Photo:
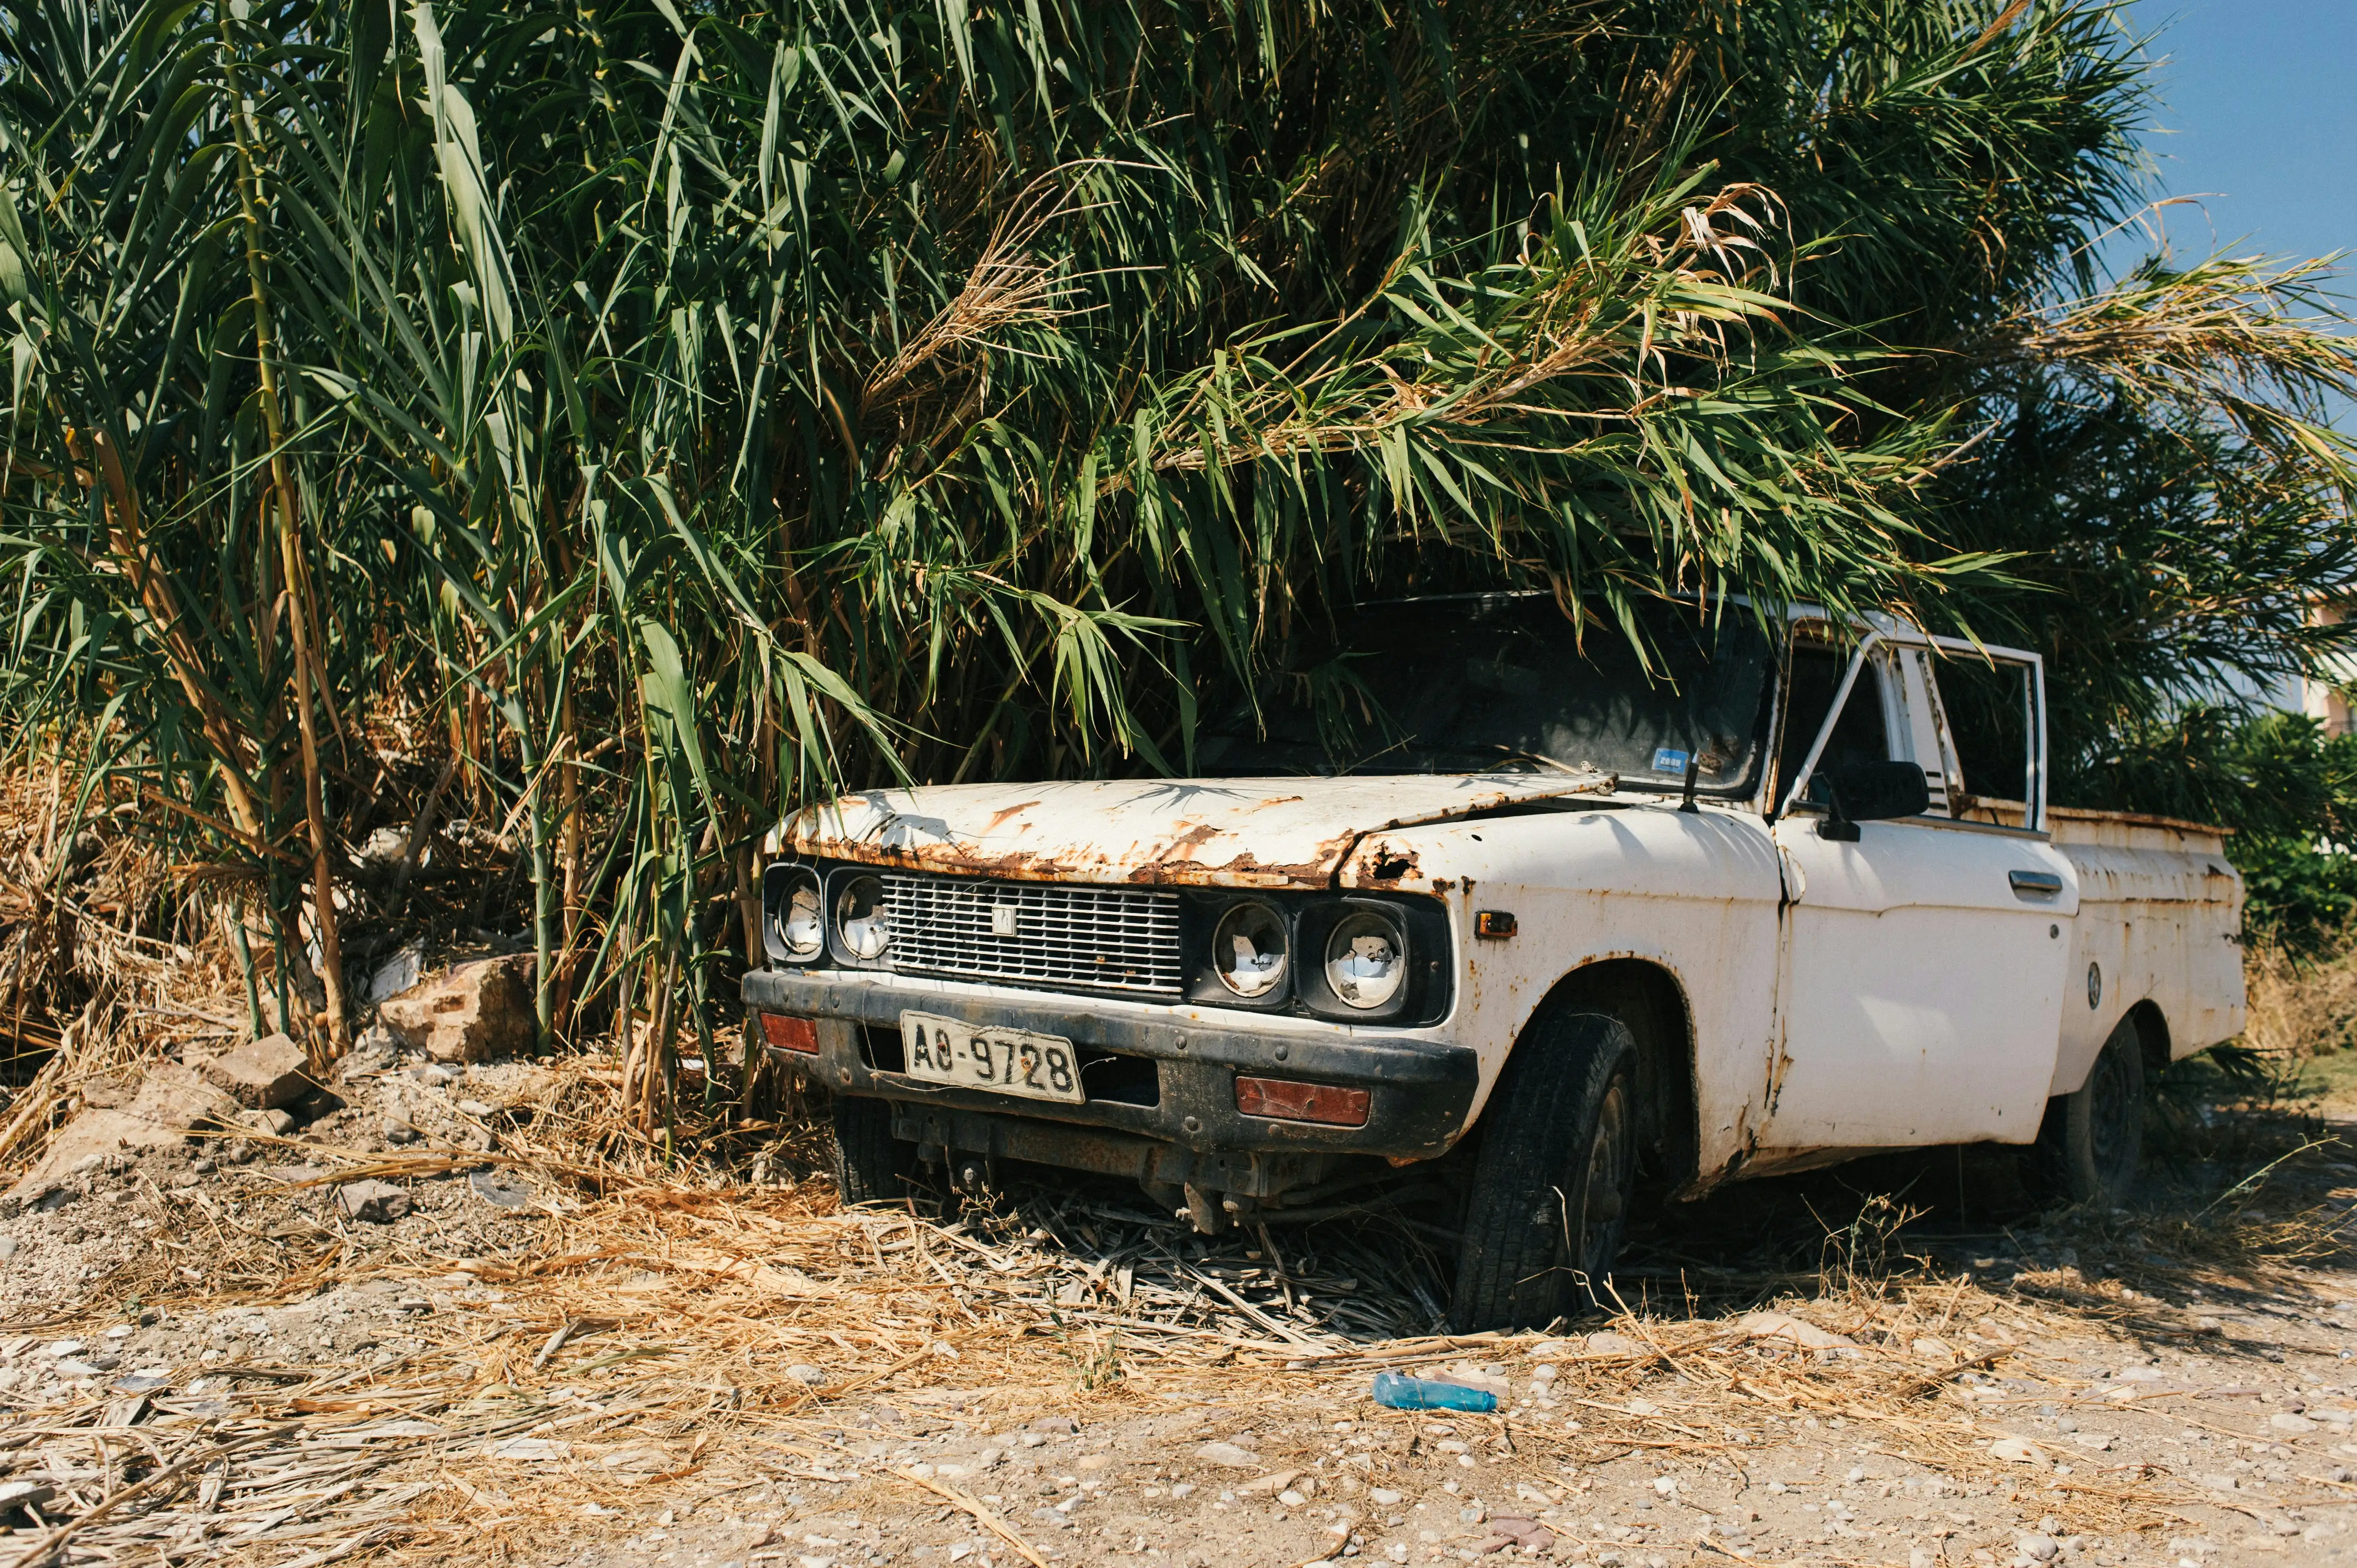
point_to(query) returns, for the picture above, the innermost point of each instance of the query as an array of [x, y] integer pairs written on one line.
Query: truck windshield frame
[[1505, 683]]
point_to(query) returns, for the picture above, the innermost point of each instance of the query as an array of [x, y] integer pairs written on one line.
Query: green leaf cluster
[[682, 407]]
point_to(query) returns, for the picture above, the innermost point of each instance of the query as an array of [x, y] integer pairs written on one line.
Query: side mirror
[[1873, 793]]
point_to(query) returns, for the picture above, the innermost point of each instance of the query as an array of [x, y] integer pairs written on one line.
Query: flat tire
[[1554, 1176], [870, 1165], [2090, 1144]]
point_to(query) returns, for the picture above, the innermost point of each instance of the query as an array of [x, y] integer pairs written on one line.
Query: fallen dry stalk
[[981, 1513], [48, 1545]]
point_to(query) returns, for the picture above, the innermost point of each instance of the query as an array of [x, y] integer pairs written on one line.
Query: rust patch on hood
[[1210, 833], [1184, 846], [1377, 863], [1000, 816]]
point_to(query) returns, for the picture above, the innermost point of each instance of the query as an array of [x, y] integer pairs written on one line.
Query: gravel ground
[[2170, 1386]]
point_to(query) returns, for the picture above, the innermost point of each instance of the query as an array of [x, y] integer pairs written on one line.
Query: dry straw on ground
[[655, 1321]]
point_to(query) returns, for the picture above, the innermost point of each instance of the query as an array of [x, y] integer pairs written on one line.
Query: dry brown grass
[[107, 960], [2302, 1007]]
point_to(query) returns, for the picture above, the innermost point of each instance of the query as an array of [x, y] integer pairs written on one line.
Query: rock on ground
[[268, 1074], [172, 1102], [469, 1014], [376, 1202]]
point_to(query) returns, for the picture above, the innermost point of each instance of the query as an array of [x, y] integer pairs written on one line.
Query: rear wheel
[[1553, 1179], [870, 1165], [2091, 1141]]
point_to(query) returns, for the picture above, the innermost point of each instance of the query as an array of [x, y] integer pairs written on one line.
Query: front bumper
[[1177, 1122]]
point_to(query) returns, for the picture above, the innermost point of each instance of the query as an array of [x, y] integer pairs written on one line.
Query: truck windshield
[[1500, 682]]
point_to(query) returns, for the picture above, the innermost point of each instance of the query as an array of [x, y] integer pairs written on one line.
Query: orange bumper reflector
[[791, 1033], [1290, 1101]]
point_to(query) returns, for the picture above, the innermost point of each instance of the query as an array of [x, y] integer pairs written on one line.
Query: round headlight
[[1248, 949], [861, 919], [797, 930], [1364, 964]]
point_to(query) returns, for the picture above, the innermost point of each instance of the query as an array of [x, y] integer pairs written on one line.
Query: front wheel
[[1554, 1176], [2091, 1141], [870, 1165]]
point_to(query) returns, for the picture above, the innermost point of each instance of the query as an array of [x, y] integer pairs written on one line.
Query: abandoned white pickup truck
[[1777, 893]]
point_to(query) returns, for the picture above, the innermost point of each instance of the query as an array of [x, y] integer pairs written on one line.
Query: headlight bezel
[[1260, 911], [840, 886], [1370, 916], [780, 882]]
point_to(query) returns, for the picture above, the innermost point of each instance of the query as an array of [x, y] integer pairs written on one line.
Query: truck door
[[1923, 963]]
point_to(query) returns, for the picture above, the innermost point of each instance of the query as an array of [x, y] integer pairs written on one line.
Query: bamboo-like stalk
[[301, 609]]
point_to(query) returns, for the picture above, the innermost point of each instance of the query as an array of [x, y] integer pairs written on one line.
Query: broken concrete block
[[470, 1014], [172, 1102], [174, 1099], [376, 1202], [263, 1075], [1229, 1454]]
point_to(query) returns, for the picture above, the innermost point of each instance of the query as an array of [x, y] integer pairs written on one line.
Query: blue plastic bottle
[[1424, 1393]]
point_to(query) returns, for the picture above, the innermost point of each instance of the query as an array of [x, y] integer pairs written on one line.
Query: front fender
[[1694, 893]]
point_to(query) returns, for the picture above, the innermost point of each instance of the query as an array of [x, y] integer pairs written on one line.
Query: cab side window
[[1988, 706], [1811, 676]]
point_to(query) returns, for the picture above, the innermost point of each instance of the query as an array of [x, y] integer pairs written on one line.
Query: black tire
[[2091, 1141], [870, 1165], [1559, 1141]]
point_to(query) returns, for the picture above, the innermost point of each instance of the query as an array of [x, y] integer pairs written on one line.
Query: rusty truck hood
[[1230, 833]]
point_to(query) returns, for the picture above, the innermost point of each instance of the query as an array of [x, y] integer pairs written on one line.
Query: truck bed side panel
[[2160, 911]]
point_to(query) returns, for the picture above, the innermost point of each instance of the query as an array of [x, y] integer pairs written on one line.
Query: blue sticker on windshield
[[1669, 759]]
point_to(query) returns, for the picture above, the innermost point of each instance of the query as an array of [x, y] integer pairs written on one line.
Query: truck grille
[[1093, 939]]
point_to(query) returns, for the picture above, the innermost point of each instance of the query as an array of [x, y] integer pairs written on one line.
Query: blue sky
[[2257, 110], [2256, 115]]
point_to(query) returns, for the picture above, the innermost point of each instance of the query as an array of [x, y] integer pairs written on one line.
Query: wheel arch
[[2074, 1059], [2152, 1035], [1649, 999]]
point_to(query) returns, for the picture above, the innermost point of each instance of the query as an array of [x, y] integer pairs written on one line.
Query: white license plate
[[1012, 1061]]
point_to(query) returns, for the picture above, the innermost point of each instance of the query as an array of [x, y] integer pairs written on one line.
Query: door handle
[[2035, 883]]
